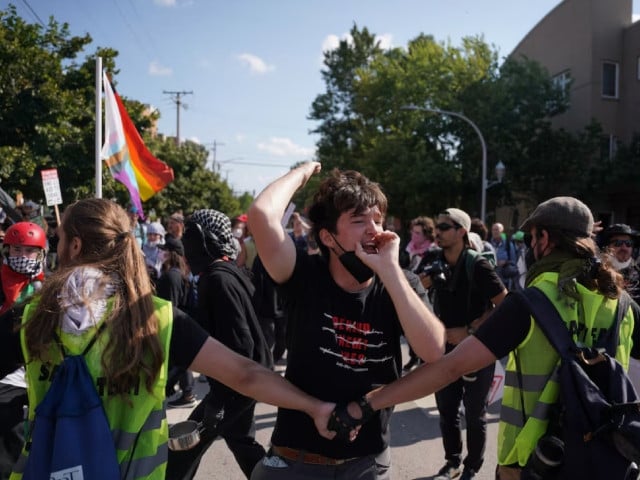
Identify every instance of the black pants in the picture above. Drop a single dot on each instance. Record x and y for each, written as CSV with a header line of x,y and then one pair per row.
x,y
181,376
275,333
238,430
473,395
12,402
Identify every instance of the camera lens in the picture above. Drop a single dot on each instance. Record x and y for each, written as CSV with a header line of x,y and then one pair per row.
x,y
550,451
547,456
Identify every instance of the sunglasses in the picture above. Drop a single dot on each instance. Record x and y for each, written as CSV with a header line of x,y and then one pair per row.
x,y
619,243
443,227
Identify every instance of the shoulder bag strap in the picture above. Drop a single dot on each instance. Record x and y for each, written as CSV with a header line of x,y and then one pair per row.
x,y
548,319
554,328
611,339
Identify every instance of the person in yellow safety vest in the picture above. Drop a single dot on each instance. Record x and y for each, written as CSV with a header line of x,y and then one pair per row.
x,y
585,291
102,279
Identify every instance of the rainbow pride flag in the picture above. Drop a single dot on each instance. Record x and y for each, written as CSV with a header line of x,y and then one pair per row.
x,y
126,155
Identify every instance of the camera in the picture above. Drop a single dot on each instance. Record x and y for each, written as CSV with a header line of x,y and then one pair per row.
x,y
545,459
436,271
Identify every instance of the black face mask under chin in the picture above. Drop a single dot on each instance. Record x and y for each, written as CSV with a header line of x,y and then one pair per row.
x,y
354,265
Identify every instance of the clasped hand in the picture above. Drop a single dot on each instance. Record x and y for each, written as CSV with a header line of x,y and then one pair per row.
x,y
347,419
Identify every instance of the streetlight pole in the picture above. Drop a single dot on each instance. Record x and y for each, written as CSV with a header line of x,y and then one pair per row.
x,y
483,189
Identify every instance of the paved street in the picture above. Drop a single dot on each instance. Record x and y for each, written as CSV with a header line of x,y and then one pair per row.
x,y
415,439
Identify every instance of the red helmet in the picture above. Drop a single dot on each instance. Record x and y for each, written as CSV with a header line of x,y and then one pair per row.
x,y
27,234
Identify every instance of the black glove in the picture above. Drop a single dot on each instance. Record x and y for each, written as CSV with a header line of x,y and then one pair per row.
x,y
343,423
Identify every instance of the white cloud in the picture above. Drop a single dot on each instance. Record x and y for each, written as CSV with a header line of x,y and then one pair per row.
x,y
195,139
284,147
166,3
255,63
386,41
156,69
635,17
240,137
332,41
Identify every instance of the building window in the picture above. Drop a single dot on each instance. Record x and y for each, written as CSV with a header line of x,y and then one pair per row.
x,y
562,81
609,147
610,79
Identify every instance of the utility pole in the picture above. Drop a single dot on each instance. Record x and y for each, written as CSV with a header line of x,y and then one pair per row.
x,y
214,151
176,96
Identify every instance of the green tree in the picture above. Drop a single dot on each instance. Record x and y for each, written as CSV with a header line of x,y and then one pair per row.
x,y
427,161
194,186
334,108
408,152
47,119
42,110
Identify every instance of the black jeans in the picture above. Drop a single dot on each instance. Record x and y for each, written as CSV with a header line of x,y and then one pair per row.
x,y
238,430
12,401
181,376
275,333
473,395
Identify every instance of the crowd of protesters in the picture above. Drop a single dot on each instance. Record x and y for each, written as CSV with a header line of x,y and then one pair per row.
x,y
327,294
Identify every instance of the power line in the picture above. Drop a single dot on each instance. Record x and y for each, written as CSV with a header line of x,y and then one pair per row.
x,y
140,22
133,32
34,13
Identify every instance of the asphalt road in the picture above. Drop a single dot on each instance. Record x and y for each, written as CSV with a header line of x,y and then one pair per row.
x,y
416,447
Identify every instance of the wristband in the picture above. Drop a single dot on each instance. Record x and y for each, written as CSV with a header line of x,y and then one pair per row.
x,y
365,407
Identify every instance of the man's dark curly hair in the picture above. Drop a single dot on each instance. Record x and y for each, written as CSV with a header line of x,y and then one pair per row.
x,y
340,192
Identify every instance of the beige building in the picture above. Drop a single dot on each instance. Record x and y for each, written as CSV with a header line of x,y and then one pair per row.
x,y
592,47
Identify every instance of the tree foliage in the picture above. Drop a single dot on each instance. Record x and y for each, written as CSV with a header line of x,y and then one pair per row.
x,y
427,161
194,187
47,120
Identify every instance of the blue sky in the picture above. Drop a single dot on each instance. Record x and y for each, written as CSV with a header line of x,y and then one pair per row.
x,y
254,65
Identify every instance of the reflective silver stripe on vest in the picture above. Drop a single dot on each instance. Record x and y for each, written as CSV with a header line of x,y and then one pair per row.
x,y
22,460
126,440
512,415
142,467
530,383
20,463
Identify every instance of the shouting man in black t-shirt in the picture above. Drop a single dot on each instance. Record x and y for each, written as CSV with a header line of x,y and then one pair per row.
x,y
346,310
464,292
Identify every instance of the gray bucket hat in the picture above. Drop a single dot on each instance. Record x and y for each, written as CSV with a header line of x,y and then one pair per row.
x,y
563,213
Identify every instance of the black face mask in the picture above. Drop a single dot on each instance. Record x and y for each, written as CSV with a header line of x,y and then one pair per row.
x,y
195,251
354,265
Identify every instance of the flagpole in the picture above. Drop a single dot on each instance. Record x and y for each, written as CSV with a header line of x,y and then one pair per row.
x,y
98,134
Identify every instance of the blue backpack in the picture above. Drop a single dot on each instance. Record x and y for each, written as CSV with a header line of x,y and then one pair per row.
x,y
71,437
594,429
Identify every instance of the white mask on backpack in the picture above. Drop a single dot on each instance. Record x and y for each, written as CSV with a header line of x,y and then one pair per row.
x,y
83,299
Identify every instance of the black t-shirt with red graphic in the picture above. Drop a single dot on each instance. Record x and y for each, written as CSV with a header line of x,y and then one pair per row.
x,y
340,346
